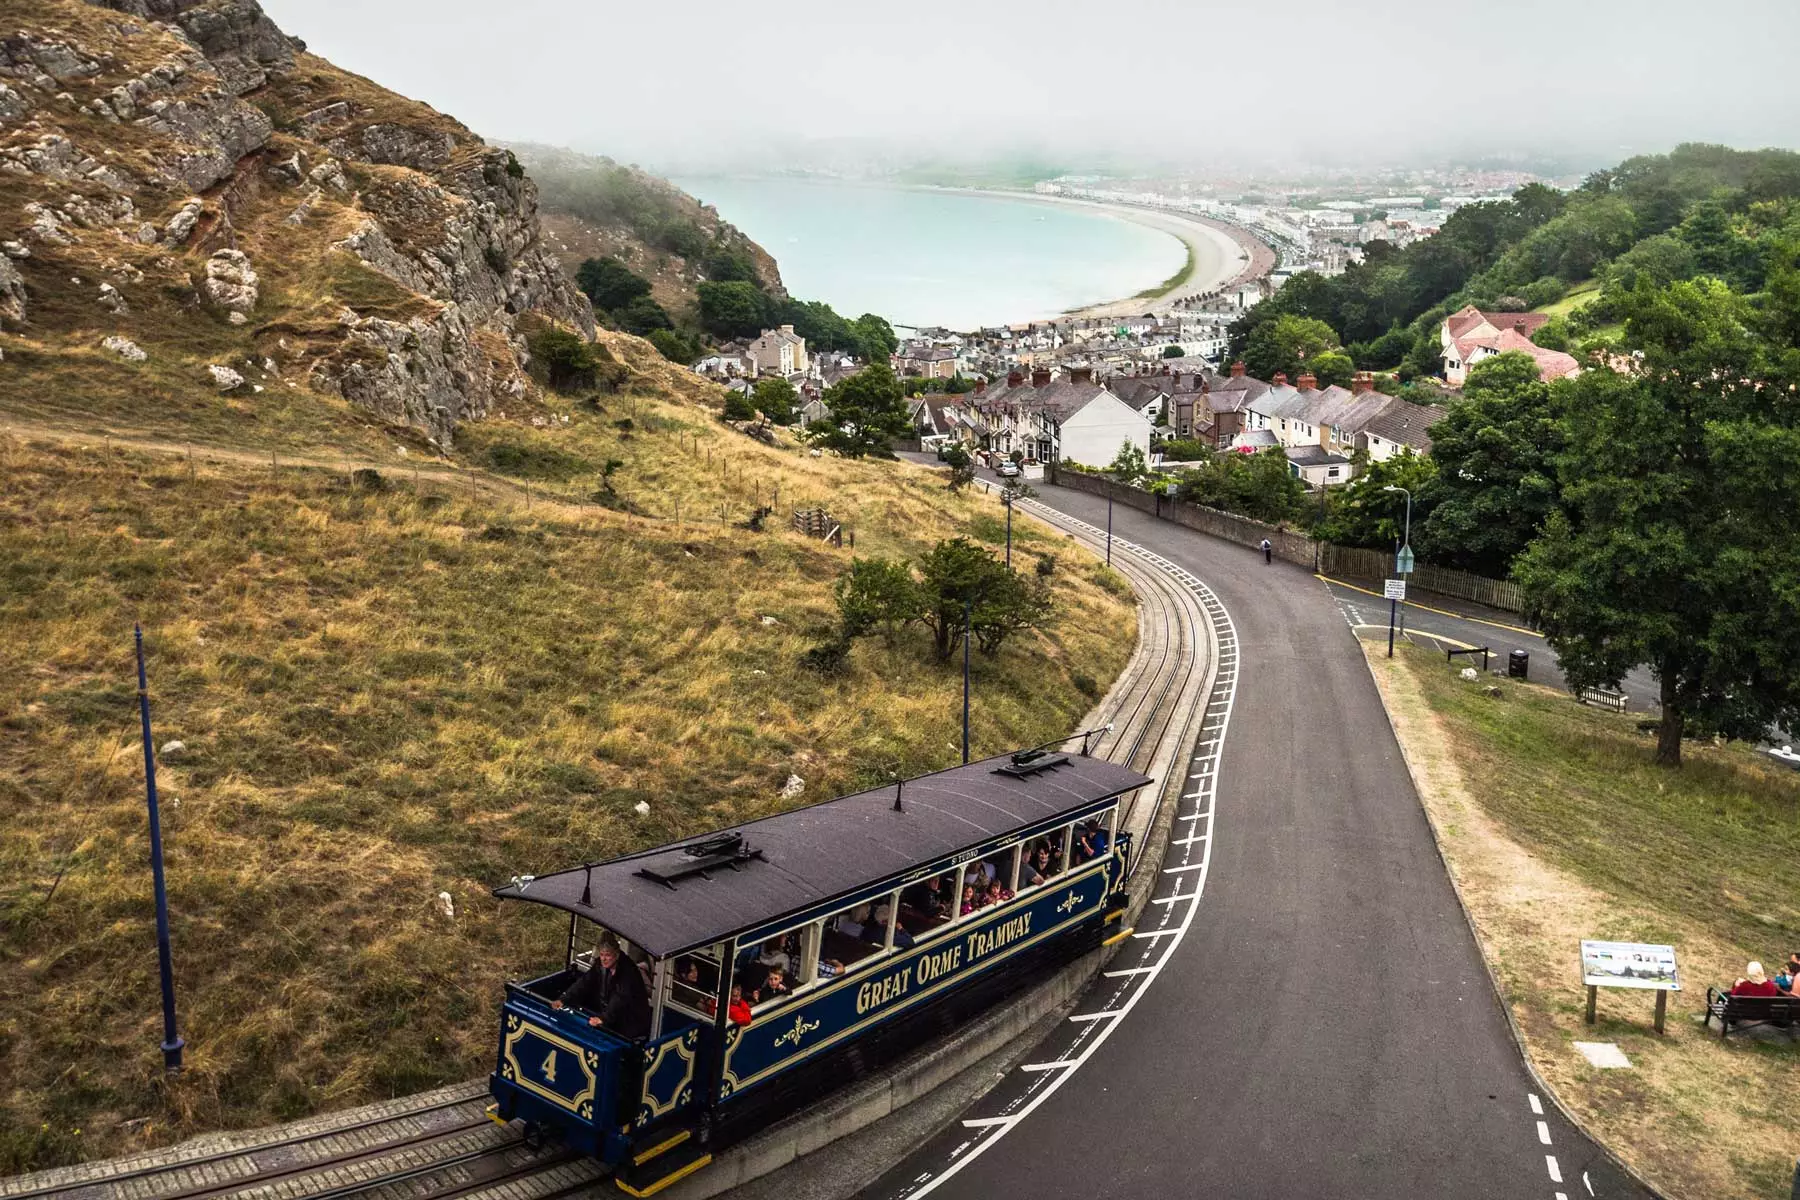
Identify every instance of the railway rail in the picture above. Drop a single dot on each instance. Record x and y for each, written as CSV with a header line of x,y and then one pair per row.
x,y
443,1146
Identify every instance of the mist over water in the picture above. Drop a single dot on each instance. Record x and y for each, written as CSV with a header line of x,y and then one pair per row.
x,y
933,258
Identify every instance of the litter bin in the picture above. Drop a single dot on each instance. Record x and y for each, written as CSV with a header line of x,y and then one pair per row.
x,y
1517,663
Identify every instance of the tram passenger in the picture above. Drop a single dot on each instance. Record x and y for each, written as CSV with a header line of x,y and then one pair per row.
x,y
998,893
927,899
1038,868
971,900
612,991
773,956
738,1011
774,987
902,939
1091,843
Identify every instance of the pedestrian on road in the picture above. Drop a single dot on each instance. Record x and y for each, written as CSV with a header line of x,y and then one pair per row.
x,y
1268,549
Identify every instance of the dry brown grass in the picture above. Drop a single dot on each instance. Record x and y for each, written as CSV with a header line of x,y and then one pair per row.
x,y
389,695
1695,1116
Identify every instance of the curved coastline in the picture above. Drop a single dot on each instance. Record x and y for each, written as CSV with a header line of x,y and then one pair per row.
x,y
1219,253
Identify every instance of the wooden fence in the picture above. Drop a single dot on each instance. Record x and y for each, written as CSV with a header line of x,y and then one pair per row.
x,y
816,522
1295,547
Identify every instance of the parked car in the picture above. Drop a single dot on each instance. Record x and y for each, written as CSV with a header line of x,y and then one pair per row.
x,y
1007,470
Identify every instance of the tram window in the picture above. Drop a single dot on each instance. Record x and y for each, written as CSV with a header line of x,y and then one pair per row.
x,y
1093,837
930,903
1042,862
853,935
694,981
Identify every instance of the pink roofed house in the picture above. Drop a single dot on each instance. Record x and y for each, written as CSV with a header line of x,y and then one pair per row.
x,y
1470,335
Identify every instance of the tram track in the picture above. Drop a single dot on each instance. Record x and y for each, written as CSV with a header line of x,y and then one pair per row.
x,y
445,1150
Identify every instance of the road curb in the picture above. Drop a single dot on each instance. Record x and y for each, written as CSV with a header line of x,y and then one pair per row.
x,y
1487,965
871,1100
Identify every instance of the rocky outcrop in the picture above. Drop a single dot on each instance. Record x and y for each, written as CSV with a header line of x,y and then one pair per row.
x,y
230,132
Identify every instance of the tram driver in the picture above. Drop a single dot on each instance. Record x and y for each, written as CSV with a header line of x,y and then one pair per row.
x,y
612,992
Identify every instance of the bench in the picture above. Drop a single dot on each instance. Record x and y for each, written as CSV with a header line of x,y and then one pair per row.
x,y
1783,1012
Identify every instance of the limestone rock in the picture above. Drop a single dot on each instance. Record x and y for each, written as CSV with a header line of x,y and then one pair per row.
x,y
291,169
225,378
146,233
792,788
125,348
182,223
329,173
111,300
230,283
12,291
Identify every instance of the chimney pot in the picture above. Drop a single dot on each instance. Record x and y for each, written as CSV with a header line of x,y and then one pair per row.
x,y
1308,382
1080,375
1237,370
1280,379
1040,377
981,387
1015,378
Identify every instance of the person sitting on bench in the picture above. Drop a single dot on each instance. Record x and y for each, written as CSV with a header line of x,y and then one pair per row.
x,y
1754,983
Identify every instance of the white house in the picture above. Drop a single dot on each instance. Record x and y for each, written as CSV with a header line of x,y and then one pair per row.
x,y
1069,419
777,352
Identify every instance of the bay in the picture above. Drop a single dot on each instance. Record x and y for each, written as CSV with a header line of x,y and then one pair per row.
x,y
924,257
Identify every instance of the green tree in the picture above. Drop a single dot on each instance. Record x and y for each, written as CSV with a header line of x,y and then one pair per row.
x,y
722,264
868,414
1174,352
961,464
1289,343
877,594
1333,367
1365,513
734,309
571,362
1677,537
641,316
1260,486
776,399
739,407
609,283
1128,465
1496,456
675,346
958,573
875,338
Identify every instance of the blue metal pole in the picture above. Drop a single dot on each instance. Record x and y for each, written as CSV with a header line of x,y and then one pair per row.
x,y
171,1043
968,625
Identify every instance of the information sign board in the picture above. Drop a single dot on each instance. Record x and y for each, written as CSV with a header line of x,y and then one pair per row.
x,y
1394,589
1403,561
1629,965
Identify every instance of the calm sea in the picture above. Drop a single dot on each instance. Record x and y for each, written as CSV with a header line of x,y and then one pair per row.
x,y
932,258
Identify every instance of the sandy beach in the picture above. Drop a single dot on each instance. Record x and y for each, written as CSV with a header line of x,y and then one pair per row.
x,y
1221,254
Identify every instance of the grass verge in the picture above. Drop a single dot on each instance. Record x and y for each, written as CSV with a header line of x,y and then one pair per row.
x,y
1558,827
1174,281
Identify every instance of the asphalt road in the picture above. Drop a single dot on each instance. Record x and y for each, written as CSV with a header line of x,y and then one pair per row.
x,y
1323,1026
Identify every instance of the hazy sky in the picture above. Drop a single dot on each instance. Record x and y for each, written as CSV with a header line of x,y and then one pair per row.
x,y
677,82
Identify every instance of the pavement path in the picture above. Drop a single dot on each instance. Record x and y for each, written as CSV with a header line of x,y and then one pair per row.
x,y
1323,1024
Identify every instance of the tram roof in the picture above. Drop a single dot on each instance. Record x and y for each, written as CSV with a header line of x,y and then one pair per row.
x,y
814,854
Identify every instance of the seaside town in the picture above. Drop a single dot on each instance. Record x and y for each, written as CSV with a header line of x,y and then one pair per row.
x,y
1074,389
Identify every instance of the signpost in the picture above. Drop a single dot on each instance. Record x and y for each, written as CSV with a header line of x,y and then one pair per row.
x,y
1403,564
1629,965
1395,591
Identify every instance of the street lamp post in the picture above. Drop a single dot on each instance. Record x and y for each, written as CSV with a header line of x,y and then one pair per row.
x,y
171,1043
968,628
1006,498
1109,531
1403,563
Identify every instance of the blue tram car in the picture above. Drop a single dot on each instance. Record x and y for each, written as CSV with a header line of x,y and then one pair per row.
x,y
787,956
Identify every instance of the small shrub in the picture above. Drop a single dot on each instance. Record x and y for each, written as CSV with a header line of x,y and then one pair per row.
x,y
1046,566
830,658
496,260
536,462
368,479
1111,582
1084,683
739,407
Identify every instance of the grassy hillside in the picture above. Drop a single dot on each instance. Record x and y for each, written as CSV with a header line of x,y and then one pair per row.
x,y
1559,828
389,694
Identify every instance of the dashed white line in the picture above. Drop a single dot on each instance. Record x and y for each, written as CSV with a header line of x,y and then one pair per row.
x,y
1048,1066
1128,971
1544,1132
1108,1015
1537,1106
1555,1171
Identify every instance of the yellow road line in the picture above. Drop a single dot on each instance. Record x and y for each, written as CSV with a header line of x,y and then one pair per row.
x,y
1442,612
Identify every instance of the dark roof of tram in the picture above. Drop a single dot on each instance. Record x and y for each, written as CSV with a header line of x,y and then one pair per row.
x,y
830,849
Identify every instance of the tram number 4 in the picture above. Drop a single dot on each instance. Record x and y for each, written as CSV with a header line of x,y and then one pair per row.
x,y
550,1067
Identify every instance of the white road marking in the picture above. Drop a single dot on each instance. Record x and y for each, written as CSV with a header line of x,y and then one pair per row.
x,y
1544,1132
1103,1031
1048,1066
1188,841
1537,1106
1108,1015
1199,866
1587,1183
1555,1171
1175,899
1128,971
